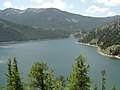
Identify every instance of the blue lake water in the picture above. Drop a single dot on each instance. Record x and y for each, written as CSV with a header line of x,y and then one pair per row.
x,y
59,54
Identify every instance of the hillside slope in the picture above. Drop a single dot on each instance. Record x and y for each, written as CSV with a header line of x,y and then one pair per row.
x,y
107,37
15,32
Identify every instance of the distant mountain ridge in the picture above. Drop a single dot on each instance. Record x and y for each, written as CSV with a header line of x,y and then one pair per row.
x,y
53,19
34,23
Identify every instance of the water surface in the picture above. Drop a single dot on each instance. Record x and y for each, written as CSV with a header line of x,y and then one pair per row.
x,y
59,54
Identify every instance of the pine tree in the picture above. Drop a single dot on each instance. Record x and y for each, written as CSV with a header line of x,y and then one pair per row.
x,y
60,83
9,75
103,79
16,75
94,88
1,88
50,81
13,76
41,77
113,88
79,79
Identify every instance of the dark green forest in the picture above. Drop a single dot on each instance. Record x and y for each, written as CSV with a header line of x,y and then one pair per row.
x,y
105,37
15,32
41,77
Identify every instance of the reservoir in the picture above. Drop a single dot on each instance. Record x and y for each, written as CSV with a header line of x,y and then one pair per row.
x,y
59,54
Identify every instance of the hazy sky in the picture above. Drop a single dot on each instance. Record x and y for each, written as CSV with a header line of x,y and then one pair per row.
x,y
97,8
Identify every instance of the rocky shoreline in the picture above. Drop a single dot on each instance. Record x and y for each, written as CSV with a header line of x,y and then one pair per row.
x,y
98,50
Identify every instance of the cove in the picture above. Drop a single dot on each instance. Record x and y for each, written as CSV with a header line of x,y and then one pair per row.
x,y
59,54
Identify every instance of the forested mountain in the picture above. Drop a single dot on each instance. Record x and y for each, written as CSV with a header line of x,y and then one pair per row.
x,y
34,23
53,19
107,37
15,32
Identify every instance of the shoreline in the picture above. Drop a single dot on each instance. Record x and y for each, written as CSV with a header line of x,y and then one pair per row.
x,y
98,50
23,41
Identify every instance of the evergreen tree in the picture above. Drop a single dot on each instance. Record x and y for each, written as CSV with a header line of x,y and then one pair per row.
x,y
95,87
1,88
113,88
13,76
79,79
60,83
50,81
103,79
16,75
41,77
9,75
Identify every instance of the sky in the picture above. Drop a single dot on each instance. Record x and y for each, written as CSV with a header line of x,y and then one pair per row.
x,y
94,8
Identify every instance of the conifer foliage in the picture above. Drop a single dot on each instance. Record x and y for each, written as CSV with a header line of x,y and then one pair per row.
x,y
41,77
13,76
103,79
79,79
